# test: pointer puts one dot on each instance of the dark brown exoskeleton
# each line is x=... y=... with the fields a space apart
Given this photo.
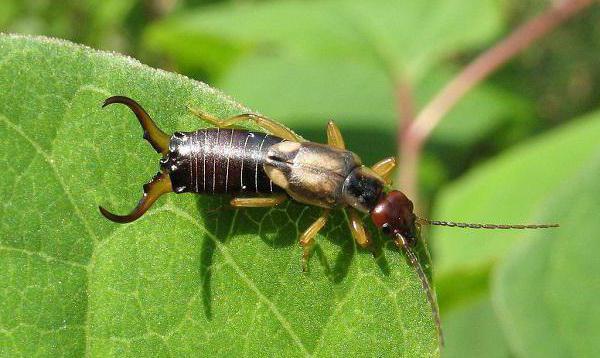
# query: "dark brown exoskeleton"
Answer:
x=264 y=169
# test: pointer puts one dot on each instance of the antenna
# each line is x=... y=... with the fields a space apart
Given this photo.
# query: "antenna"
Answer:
x=403 y=245
x=424 y=221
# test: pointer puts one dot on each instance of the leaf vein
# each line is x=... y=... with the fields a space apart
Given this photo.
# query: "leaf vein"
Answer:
x=271 y=306
x=43 y=256
x=48 y=159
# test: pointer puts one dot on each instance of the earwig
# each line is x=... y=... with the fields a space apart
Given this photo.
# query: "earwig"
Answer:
x=263 y=169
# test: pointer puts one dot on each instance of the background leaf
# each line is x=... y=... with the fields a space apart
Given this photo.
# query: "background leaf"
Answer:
x=511 y=189
x=472 y=330
x=546 y=179
x=406 y=37
x=180 y=280
x=546 y=290
x=360 y=99
x=333 y=59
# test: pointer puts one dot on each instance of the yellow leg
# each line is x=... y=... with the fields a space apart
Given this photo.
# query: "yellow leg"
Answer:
x=384 y=168
x=263 y=122
x=334 y=136
x=257 y=202
x=358 y=229
x=308 y=236
x=206 y=117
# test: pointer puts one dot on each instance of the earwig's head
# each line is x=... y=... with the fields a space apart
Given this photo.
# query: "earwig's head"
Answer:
x=161 y=183
x=394 y=215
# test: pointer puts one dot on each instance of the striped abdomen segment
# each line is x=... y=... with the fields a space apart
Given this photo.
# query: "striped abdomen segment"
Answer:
x=217 y=160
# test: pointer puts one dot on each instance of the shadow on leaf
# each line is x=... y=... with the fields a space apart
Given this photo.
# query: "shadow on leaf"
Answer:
x=278 y=228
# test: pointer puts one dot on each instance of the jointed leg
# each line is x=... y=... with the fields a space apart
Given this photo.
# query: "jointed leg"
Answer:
x=263 y=122
x=259 y=202
x=206 y=117
x=358 y=229
x=334 y=136
x=266 y=124
x=384 y=168
x=307 y=237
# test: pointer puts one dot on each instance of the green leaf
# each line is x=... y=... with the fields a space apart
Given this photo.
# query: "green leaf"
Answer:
x=546 y=291
x=184 y=279
x=98 y=22
x=405 y=37
x=473 y=330
x=477 y=116
x=509 y=189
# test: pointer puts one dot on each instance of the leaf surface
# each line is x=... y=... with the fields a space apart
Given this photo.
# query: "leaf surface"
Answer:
x=472 y=330
x=545 y=292
x=509 y=189
x=184 y=279
x=404 y=37
x=541 y=291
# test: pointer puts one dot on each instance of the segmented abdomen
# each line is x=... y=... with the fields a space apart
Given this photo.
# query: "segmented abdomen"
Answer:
x=216 y=160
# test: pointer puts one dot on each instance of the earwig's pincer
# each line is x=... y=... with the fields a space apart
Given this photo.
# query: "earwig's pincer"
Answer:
x=157 y=138
x=160 y=184
x=264 y=169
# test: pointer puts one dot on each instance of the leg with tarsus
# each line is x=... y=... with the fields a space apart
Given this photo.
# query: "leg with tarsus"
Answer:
x=308 y=236
x=263 y=122
x=384 y=168
x=357 y=228
x=259 y=202
x=334 y=136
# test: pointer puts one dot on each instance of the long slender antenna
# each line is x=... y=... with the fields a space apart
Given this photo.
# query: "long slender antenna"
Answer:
x=401 y=243
x=484 y=226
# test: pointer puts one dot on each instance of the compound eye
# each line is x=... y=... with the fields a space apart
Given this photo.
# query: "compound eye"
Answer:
x=386 y=229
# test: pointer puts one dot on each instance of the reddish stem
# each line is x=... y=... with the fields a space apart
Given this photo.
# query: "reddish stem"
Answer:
x=416 y=132
x=405 y=105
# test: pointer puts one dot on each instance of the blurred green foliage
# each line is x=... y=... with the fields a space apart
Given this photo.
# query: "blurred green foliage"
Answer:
x=489 y=160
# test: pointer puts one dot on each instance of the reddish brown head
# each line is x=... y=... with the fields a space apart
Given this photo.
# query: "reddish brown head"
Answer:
x=394 y=214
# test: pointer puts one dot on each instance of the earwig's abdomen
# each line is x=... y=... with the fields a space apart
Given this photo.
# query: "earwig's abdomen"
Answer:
x=218 y=161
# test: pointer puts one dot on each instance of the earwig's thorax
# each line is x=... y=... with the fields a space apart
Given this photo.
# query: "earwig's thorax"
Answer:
x=311 y=173
x=362 y=189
